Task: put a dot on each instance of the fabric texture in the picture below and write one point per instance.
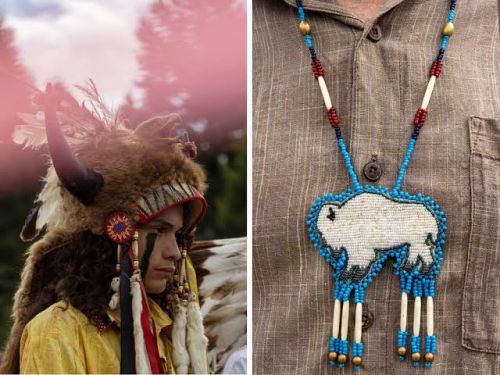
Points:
(376, 86)
(67, 335)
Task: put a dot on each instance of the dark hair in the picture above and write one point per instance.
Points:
(79, 273)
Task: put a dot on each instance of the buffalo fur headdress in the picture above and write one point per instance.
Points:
(98, 165)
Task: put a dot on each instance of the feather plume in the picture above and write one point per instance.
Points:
(221, 272)
(32, 133)
(78, 123)
(98, 109)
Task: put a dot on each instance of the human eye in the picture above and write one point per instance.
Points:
(159, 230)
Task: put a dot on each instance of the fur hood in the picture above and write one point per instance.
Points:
(133, 162)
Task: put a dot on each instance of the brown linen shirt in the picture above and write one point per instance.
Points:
(377, 86)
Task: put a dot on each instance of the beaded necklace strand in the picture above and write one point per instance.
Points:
(420, 281)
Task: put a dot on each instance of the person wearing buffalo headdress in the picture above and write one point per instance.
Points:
(109, 287)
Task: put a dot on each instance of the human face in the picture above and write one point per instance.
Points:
(158, 237)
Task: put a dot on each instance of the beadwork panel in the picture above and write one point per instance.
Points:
(376, 88)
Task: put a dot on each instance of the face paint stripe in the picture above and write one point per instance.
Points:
(150, 244)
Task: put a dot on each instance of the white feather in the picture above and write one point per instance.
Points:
(30, 136)
(224, 296)
(78, 124)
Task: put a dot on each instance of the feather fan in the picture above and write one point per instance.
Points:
(221, 269)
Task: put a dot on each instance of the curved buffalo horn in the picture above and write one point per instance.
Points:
(79, 180)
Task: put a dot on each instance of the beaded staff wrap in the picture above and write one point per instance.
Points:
(357, 230)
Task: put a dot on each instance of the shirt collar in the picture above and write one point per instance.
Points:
(332, 8)
(159, 316)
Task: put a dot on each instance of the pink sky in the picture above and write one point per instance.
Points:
(72, 41)
(75, 40)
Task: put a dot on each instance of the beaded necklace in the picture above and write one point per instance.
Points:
(357, 230)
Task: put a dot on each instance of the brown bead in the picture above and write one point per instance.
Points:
(332, 356)
(356, 361)
(429, 357)
(304, 27)
(415, 357)
(448, 29)
(342, 358)
(402, 351)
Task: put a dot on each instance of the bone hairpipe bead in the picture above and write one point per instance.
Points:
(430, 316)
(324, 92)
(416, 317)
(336, 319)
(357, 322)
(404, 311)
(428, 92)
(345, 320)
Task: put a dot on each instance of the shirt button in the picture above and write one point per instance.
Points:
(375, 33)
(372, 170)
(366, 319)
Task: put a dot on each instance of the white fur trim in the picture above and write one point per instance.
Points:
(115, 284)
(180, 354)
(114, 301)
(142, 365)
(196, 340)
(115, 298)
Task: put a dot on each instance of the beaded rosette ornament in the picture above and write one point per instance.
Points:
(357, 230)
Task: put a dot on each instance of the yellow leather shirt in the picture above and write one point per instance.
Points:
(62, 340)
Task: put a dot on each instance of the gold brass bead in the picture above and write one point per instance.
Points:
(448, 29)
(402, 351)
(342, 358)
(429, 357)
(332, 356)
(415, 357)
(304, 27)
(356, 361)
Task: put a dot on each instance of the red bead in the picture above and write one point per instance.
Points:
(317, 69)
(333, 118)
(99, 323)
(420, 117)
(436, 69)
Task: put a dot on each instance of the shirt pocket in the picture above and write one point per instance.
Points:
(481, 298)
